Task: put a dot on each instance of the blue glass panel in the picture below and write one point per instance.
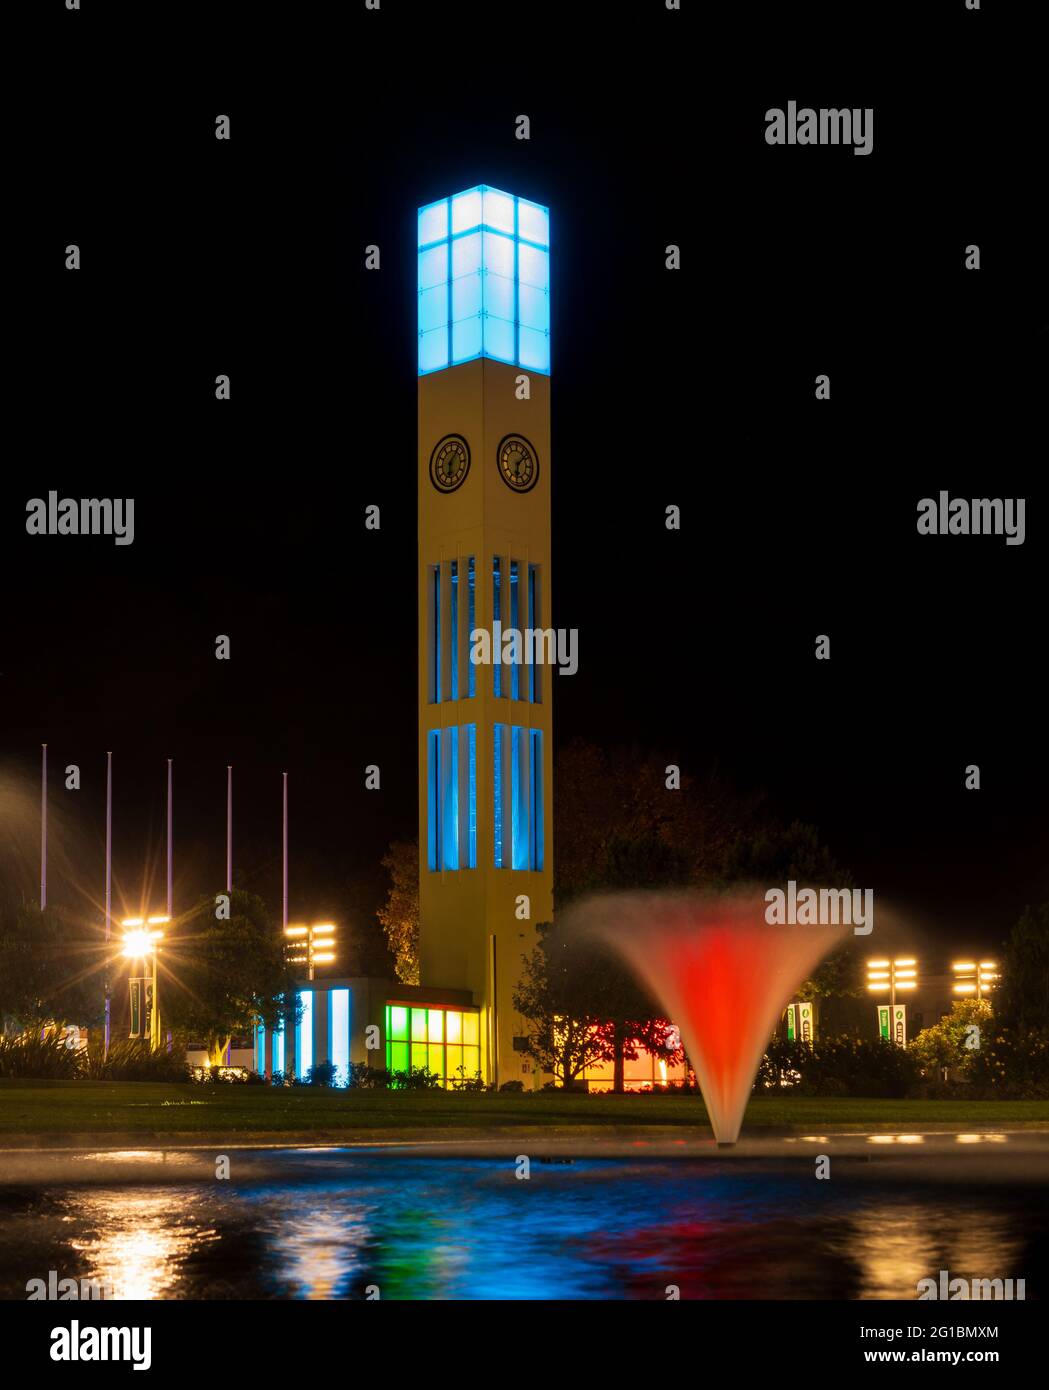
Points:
(533, 349)
(517, 799)
(304, 1035)
(433, 308)
(454, 616)
(499, 296)
(278, 1050)
(433, 774)
(534, 308)
(498, 254)
(433, 350)
(466, 339)
(473, 624)
(433, 222)
(535, 620)
(506, 238)
(450, 808)
(497, 617)
(499, 339)
(515, 623)
(497, 790)
(471, 738)
(466, 210)
(466, 255)
(433, 266)
(533, 222)
(498, 210)
(533, 267)
(466, 296)
(435, 656)
(339, 1034)
(537, 799)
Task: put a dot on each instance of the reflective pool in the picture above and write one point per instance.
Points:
(322, 1224)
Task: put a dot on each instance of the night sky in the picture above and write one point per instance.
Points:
(694, 388)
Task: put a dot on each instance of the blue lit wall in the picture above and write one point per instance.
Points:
(304, 1035)
(339, 1034)
(484, 281)
(445, 747)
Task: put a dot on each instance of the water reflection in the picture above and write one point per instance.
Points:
(898, 1244)
(137, 1240)
(343, 1223)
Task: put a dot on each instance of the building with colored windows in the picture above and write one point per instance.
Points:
(484, 730)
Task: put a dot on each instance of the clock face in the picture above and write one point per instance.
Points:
(518, 463)
(449, 463)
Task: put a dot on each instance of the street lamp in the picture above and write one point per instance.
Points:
(974, 977)
(312, 945)
(900, 973)
(141, 937)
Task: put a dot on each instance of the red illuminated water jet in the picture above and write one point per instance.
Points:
(721, 972)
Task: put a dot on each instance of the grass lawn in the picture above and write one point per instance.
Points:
(98, 1108)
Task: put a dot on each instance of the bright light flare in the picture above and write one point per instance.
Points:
(138, 944)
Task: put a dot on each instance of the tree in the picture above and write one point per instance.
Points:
(51, 968)
(770, 853)
(584, 1006)
(1023, 999)
(614, 812)
(553, 996)
(627, 1019)
(399, 916)
(221, 976)
(946, 1044)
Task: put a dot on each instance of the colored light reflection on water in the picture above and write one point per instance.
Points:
(344, 1224)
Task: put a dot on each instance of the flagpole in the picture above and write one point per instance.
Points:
(229, 829)
(43, 830)
(169, 838)
(284, 916)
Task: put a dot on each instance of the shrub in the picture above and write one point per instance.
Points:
(366, 1077)
(132, 1059)
(321, 1074)
(223, 1076)
(461, 1082)
(417, 1079)
(1013, 1063)
(843, 1066)
(512, 1086)
(39, 1057)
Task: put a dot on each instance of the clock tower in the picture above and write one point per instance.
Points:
(485, 755)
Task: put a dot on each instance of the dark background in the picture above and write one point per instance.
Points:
(694, 388)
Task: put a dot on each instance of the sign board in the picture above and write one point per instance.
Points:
(899, 1024)
(791, 1034)
(883, 1021)
(806, 1022)
(141, 1007)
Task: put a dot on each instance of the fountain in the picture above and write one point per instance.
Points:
(722, 973)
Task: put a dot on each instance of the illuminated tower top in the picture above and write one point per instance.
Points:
(484, 281)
